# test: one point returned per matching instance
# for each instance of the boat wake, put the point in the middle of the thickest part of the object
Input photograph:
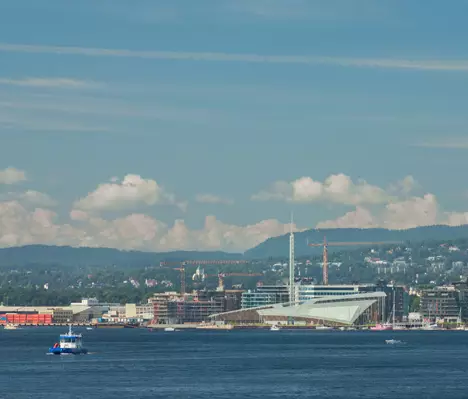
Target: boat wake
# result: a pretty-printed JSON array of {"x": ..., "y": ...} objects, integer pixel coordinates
[
  {"x": 393, "y": 341},
  {"x": 70, "y": 354}
]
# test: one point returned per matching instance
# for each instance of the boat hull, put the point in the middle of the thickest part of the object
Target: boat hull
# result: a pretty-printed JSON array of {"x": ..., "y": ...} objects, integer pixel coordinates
[
  {"x": 68, "y": 351},
  {"x": 382, "y": 327}
]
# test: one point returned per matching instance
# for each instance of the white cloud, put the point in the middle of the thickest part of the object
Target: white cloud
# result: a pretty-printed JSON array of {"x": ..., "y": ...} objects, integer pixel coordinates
[
  {"x": 404, "y": 186},
  {"x": 455, "y": 143},
  {"x": 19, "y": 226},
  {"x": 405, "y": 214},
  {"x": 131, "y": 192},
  {"x": 213, "y": 199},
  {"x": 457, "y": 218},
  {"x": 138, "y": 231},
  {"x": 218, "y": 235},
  {"x": 416, "y": 64},
  {"x": 77, "y": 215},
  {"x": 30, "y": 197},
  {"x": 359, "y": 218},
  {"x": 337, "y": 188},
  {"x": 12, "y": 176},
  {"x": 63, "y": 83}
]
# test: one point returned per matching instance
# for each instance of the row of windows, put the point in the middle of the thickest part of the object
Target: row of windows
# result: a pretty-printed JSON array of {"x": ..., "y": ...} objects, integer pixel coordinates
[{"x": 331, "y": 289}]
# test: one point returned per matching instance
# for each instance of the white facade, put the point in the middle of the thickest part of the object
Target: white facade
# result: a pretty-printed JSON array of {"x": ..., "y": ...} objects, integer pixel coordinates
[
  {"x": 312, "y": 291},
  {"x": 334, "y": 309},
  {"x": 363, "y": 308},
  {"x": 140, "y": 312}
]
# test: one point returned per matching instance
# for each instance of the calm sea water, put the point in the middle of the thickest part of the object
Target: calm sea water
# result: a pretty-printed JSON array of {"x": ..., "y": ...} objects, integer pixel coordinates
[{"x": 130, "y": 363}]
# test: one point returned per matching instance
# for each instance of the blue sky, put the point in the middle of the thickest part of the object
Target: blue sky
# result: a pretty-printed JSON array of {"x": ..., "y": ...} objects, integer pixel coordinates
[{"x": 223, "y": 99}]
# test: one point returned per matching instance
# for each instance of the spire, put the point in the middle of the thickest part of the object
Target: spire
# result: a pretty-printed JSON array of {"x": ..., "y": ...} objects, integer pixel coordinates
[{"x": 292, "y": 297}]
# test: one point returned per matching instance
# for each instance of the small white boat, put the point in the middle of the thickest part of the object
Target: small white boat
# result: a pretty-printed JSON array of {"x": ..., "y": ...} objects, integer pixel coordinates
[
  {"x": 89, "y": 328},
  {"x": 392, "y": 341},
  {"x": 321, "y": 327},
  {"x": 431, "y": 327},
  {"x": 382, "y": 327},
  {"x": 169, "y": 329},
  {"x": 275, "y": 328},
  {"x": 11, "y": 326}
]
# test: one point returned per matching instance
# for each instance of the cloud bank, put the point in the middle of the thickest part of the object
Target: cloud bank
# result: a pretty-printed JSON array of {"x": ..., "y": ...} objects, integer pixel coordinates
[
  {"x": 336, "y": 188},
  {"x": 20, "y": 226},
  {"x": 29, "y": 217}
]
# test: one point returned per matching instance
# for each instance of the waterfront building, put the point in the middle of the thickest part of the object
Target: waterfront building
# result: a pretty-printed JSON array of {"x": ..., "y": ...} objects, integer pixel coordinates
[
  {"x": 166, "y": 307},
  {"x": 196, "y": 307},
  {"x": 88, "y": 309},
  {"x": 338, "y": 310},
  {"x": 138, "y": 312},
  {"x": 265, "y": 295},
  {"x": 445, "y": 303},
  {"x": 273, "y": 294},
  {"x": 62, "y": 315}
]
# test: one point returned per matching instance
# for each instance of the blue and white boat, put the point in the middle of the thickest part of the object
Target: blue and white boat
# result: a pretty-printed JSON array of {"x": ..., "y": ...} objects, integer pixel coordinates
[{"x": 70, "y": 343}]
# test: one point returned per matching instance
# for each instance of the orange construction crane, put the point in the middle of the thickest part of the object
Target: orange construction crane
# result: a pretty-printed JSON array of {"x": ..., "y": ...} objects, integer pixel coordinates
[
  {"x": 326, "y": 244},
  {"x": 182, "y": 265},
  {"x": 182, "y": 273}
]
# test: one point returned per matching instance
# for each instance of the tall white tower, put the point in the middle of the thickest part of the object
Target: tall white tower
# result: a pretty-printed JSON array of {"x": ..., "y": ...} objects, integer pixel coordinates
[{"x": 292, "y": 294}]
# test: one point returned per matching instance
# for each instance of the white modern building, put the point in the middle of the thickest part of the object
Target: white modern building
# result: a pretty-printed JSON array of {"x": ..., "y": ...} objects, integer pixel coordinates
[{"x": 336, "y": 310}]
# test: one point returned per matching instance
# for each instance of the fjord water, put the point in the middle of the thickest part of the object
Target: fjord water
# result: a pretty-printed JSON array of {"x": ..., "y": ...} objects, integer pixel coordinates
[{"x": 136, "y": 363}]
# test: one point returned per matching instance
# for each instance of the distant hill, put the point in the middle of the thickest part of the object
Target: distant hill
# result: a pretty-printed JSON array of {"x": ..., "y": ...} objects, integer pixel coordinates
[
  {"x": 70, "y": 256},
  {"x": 279, "y": 246}
]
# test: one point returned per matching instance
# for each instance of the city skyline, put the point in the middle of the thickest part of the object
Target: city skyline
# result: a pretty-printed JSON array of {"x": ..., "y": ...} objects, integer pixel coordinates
[{"x": 162, "y": 126}]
